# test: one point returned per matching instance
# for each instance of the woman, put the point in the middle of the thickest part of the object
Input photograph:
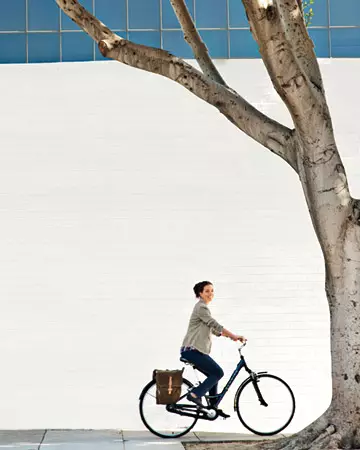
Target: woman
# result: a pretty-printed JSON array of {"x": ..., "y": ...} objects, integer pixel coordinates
[{"x": 196, "y": 345}]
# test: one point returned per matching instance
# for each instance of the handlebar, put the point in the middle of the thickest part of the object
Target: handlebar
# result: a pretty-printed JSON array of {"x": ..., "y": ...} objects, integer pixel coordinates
[{"x": 241, "y": 346}]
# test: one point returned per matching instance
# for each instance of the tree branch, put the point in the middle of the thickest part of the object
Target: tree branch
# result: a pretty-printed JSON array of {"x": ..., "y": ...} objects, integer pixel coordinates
[
  {"x": 193, "y": 38},
  {"x": 302, "y": 45},
  {"x": 268, "y": 132},
  {"x": 274, "y": 33},
  {"x": 279, "y": 29}
]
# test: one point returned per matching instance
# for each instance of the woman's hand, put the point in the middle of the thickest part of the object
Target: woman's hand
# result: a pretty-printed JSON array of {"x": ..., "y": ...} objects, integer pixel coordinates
[{"x": 236, "y": 337}]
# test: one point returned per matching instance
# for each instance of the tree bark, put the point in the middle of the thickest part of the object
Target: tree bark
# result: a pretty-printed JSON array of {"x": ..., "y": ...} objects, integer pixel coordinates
[{"x": 192, "y": 37}]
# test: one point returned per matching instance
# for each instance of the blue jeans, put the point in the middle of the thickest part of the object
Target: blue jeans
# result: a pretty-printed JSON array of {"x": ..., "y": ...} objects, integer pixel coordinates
[{"x": 206, "y": 365}]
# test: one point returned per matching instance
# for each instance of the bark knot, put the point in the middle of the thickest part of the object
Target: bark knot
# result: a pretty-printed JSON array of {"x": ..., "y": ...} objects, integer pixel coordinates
[{"x": 270, "y": 12}]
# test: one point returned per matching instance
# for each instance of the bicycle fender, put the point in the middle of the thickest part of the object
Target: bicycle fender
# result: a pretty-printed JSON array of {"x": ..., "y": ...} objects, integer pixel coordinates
[{"x": 247, "y": 380}]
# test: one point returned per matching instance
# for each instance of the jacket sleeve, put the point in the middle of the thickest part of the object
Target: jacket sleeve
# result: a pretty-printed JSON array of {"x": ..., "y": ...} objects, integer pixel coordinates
[
  {"x": 205, "y": 316},
  {"x": 215, "y": 332}
]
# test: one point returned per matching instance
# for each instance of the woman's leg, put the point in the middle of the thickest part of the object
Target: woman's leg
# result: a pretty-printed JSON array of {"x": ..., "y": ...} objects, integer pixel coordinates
[
  {"x": 207, "y": 366},
  {"x": 213, "y": 392}
]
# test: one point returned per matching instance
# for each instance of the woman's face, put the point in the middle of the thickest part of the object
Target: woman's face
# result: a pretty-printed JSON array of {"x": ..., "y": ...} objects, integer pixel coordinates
[{"x": 208, "y": 293}]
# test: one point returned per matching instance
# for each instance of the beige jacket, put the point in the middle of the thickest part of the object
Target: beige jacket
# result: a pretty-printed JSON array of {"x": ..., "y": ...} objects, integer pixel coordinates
[{"x": 201, "y": 327}]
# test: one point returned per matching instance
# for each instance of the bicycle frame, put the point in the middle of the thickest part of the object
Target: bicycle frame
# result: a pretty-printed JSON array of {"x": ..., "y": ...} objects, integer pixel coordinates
[
  {"x": 241, "y": 364},
  {"x": 194, "y": 411}
]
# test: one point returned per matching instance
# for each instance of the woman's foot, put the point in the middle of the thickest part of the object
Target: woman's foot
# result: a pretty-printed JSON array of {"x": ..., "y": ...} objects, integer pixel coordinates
[
  {"x": 192, "y": 398},
  {"x": 223, "y": 414}
]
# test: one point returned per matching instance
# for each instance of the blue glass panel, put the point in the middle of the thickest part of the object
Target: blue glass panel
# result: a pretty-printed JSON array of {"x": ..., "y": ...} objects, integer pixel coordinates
[
  {"x": 243, "y": 45},
  {"x": 237, "y": 14},
  {"x": 345, "y": 42},
  {"x": 173, "y": 42},
  {"x": 112, "y": 13},
  {"x": 321, "y": 16},
  {"x": 169, "y": 19},
  {"x": 217, "y": 42},
  {"x": 68, "y": 24},
  {"x": 211, "y": 14},
  {"x": 149, "y": 38},
  {"x": 12, "y": 48},
  {"x": 44, "y": 47},
  {"x": 99, "y": 56},
  {"x": 43, "y": 15},
  {"x": 144, "y": 14},
  {"x": 12, "y": 15},
  {"x": 344, "y": 12},
  {"x": 77, "y": 47},
  {"x": 320, "y": 38}
]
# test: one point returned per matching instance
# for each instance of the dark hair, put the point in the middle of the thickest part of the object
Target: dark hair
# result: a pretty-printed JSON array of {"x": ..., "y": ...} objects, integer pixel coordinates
[{"x": 199, "y": 287}]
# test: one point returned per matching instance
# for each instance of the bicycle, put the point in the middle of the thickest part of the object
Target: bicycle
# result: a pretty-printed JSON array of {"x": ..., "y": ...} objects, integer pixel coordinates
[{"x": 259, "y": 393}]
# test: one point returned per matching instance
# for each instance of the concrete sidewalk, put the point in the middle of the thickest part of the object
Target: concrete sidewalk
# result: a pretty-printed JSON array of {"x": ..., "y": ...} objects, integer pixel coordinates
[{"x": 105, "y": 440}]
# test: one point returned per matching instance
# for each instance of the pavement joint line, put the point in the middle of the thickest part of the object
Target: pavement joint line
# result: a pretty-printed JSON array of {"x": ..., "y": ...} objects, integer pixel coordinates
[
  {"x": 42, "y": 440},
  {"x": 197, "y": 437},
  {"x": 123, "y": 439}
]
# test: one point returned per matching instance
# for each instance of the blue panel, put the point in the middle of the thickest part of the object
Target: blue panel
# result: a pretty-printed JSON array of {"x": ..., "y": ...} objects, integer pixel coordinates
[
  {"x": 149, "y": 38},
  {"x": 345, "y": 42},
  {"x": 237, "y": 14},
  {"x": 169, "y": 19},
  {"x": 321, "y": 16},
  {"x": 68, "y": 24},
  {"x": 344, "y": 12},
  {"x": 112, "y": 13},
  {"x": 211, "y": 14},
  {"x": 144, "y": 14},
  {"x": 99, "y": 56},
  {"x": 12, "y": 48},
  {"x": 217, "y": 42},
  {"x": 173, "y": 42},
  {"x": 320, "y": 38},
  {"x": 44, "y": 47},
  {"x": 77, "y": 47},
  {"x": 12, "y": 15},
  {"x": 243, "y": 45},
  {"x": 43, "y": 15}
]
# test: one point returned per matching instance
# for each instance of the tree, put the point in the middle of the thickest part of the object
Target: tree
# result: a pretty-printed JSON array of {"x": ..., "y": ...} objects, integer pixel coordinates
[{"x": 309, "y": 148}]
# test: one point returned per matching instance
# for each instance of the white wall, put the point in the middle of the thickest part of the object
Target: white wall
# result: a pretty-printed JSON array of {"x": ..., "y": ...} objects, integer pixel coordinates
[{"x": 118, "y": 192}]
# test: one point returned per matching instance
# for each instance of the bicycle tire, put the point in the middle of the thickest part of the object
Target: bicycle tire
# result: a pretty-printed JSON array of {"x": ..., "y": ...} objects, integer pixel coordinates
[
  {"x": 146, "y": 389},
  {"x": 249, "y": 382}
]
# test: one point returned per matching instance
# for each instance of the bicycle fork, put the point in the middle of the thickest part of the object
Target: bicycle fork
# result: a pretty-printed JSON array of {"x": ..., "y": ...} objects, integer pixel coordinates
[{"x": 255, "y": 383}]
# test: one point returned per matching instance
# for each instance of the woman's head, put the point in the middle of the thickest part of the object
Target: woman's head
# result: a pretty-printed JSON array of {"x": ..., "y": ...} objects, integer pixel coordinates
[{"x": 204, "y": 290}]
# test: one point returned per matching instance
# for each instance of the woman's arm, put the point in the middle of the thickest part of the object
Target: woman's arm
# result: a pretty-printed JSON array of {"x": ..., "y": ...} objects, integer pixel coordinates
[{"x": 232, "y": 336}]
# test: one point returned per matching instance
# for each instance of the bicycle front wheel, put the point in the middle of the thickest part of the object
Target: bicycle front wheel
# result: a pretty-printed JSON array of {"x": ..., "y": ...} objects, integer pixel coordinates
[
  {"x": 158, "y": 419},
  {"x": 260, "y": 419}
]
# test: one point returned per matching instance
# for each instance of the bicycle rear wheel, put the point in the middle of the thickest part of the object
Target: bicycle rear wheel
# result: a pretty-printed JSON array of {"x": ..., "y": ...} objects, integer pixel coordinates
[
  {"x": 158, "y": 419},
  {"x": 265, "y": 420}
]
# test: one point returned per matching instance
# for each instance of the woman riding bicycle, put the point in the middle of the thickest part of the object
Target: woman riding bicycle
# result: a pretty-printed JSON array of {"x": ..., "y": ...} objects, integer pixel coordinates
[{"x": 196, "y": 345}]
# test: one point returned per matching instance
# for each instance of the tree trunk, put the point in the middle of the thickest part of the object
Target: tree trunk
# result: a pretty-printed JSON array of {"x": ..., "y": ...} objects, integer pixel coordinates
[{"x": 342, "y": 288}]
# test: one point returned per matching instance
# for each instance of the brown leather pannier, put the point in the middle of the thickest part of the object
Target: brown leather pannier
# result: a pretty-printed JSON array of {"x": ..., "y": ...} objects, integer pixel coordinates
[{"x": 168, "y": 386}]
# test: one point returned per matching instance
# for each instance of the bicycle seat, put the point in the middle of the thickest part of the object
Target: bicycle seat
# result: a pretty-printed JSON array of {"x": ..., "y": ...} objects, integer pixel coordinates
[{"x": 185, "y": 361}]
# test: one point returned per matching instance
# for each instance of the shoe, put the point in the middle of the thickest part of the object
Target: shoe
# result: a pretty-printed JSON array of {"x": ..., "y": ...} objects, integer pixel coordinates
[
  {"x": 222, "y": 414},
  {"x": 195, "y": 400}
]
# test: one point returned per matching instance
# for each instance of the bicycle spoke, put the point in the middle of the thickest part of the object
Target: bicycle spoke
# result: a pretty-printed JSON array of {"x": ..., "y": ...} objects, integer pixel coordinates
[{"x": 150, "y": 395}]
